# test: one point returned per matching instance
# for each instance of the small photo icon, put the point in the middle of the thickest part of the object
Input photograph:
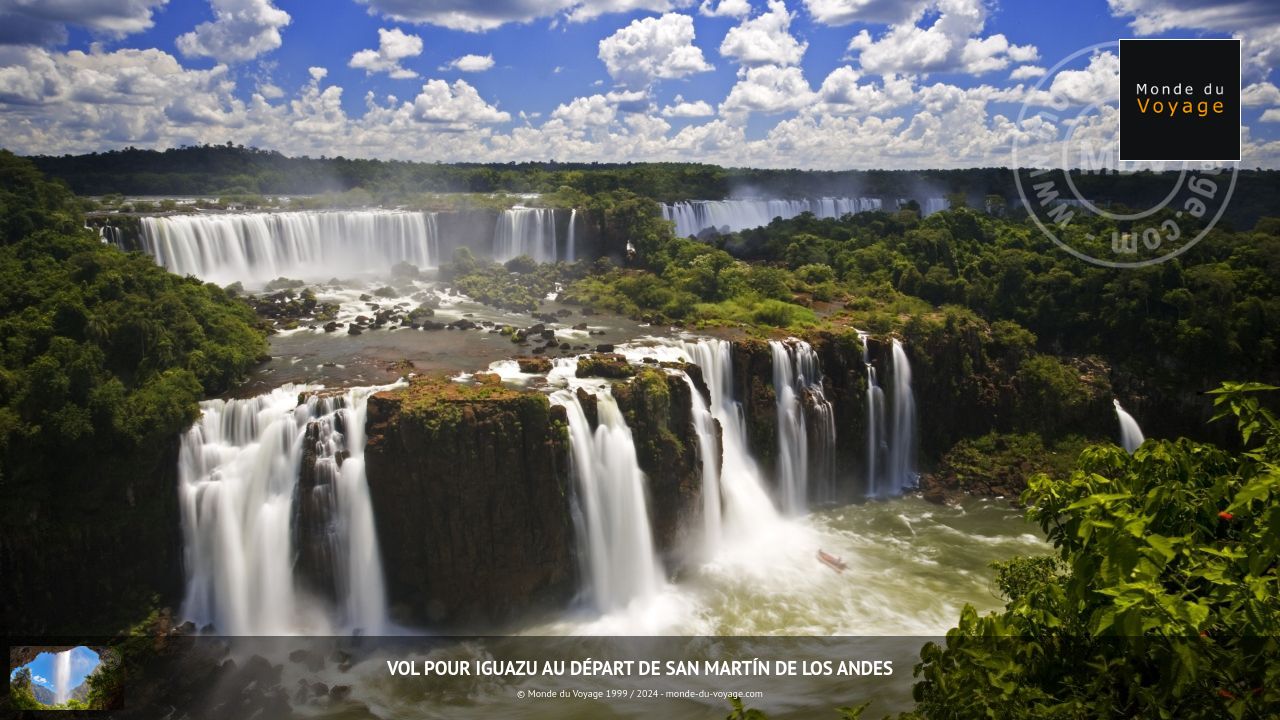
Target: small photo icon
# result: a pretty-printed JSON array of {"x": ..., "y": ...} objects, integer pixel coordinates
[{"x": 64, "y": 677}]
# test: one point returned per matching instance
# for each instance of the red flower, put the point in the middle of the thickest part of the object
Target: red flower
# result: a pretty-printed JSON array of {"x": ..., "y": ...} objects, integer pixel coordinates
[
  {"x": 1226, "y": 694},
  {"x": 1226, "y": 515}
]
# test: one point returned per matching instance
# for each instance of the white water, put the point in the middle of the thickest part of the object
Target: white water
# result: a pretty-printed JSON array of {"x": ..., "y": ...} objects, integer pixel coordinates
[
  {"x": 1130, "y": 433},
  {"x": 704, "y": 424},
  {"x": 802, "y": 475},
  {"x": 62, "y": 677},
  {"x": 694, "y": 216},
  {"x": 746, "y": 507},
  {"x": 256, "y": 247},
  {"x": 902, "y": 448},
  {"x": 617, "y": 537},
  {"x": 525, "y": 231},
  {"x": 571, "y": 249},
  {"x": 874, "y": 422},
  {"x": 933, "y": 205},
  {"x": 238, "y": 477}
]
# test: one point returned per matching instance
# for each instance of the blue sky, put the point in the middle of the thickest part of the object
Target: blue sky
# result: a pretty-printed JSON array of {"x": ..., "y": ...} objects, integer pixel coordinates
[
  {"x": 803, "y": 83},
  {"x": 83, "y": 662}
]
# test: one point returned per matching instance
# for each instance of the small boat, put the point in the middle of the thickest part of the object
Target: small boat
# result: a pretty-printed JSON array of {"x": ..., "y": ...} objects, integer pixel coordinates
[{"x": 832, "y": 561}]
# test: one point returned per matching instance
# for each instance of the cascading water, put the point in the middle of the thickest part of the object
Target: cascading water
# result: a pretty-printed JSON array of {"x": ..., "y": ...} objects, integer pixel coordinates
[
  {"x": 694, "y": 216},
  {"x": 617, "y": 539},
  {"x": 746, "y": 505},
  {"x": 902, "y": 448},
  {"x": 1131, "y": 436},
  {"x": 875, "y": 421},
  {"x": 571, "y": 249},
  {"x": 238, "y": 474},
  {"x": 704, "y": 425},
  {"x": 62, "y": 677},
  {"x": 256, "y": 247},
  {"x": 525, "y": 231},
  {"x": 797, "y": 382},
  {"x": 933, "y": 205}
]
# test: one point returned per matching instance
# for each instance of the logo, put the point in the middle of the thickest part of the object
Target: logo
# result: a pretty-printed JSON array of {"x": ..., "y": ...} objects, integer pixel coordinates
[{"x": 1101, "y": 209}]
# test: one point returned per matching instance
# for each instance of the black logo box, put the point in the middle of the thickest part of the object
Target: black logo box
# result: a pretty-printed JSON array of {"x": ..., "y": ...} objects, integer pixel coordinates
[{"x": 1180, "y": 64}]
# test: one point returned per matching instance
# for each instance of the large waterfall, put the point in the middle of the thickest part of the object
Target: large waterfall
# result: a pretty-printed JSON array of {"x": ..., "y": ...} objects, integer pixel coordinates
[
  {"x": 694, "y": 216},
  {"x": 902, "y": 450},
  {"x": 525, "y": 231},
  {"x": 1131, "y": 436},
  {"x": 243, "y": 508},
  {"x": 890, "y": 446},
  {"x": 571, "y": 246},
  {"x": 62, "y": 677},
  {"x": 746, "y": 506},
  {"x": 256, "y": 247},
  {"x": 616, "y": 536},
  {"x": 797, "y": 383}
]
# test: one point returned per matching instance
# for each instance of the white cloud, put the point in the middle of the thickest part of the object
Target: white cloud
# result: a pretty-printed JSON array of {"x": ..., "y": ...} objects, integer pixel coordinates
[
  {"x": 270, "y": 91},
  {"x": 40, "y": 680},
  {"x": 1271, "y": 115},
  {"x": 765, "y": 39},
  {"x": 586, "y": 111},
  {"x": 684, "y": 109},
  {"x": 1026, "y": 72},
  {"x": 24, "y": 22},
  {"x": 459, "y": 105},
  {"x": 951, "y": 44},
  {"x": 470, "y": 63},
  {"x": 479, "y": 16},
  {"x": 1258, "y": 94},
  {"x": 843, "y": 12},
  {"x": 841, "y": 93},
  {"x": 767, "y": 89},
  {"x": 725, "y": 8},
  {"x": 650, "y": 49},
  {"x": 1256, "y": 22},
  {"x": 317, "y": 73},
  {"x": 394, "y": 45},
  {"x": 241, "y": 30}
]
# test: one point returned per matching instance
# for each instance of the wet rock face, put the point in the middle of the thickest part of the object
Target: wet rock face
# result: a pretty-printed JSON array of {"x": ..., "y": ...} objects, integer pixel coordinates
[
  {"x": 659, "y": 410},
  {"x": 470, "y": 488},
  {"x": 753, "y": 377}
]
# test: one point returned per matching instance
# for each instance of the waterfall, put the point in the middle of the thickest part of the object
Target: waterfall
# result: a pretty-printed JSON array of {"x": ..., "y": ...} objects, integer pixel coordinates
[
  {"x": 704, "y": 425},
  {"x": 571, "y": 247},
  {"x": 902, "y": 448},
  {"x": 62, "y": 677},
  {"x": 746, "y": 505},
  {"x": 240, "y": 497},
  {"x": 797, "y": 381},
  {"x": 525, "y": 231},
  {"x": 256, "y": 247},
  {"x": 875, "y": 420},
  {"x": 694, "y": 216},
  {"x": 933, "y": 205},
  {"x": 1130, "y": 433},
  {"x": 617, "y": 539}
]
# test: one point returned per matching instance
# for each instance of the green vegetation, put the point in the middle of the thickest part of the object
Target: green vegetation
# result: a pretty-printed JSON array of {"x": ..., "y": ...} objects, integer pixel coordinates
[
  {"x": 104, "y": 358},
  {"x": 1163, "y": 599}
]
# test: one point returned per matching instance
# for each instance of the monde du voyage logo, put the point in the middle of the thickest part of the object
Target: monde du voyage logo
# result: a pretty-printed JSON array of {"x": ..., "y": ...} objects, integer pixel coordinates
[{"x": 1177, "y": 113}]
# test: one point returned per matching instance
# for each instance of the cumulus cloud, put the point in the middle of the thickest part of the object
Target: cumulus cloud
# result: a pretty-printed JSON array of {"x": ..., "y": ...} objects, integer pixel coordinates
[
  {"x": 1257, "y": 94},
  {"x": 725, "y": 8},
  {"x": 1271, "y": 115},
  {"x": 1256, "y": 22},
  {"x": 844, "y": 12},
  {"x": 241, "y": 30},
  {"x": 650, "y": 49},
  {"x": 394, "y": 45},
  {"x": 682, "y": 108},
  {"x": 1026, "y": 72},
  {"x": 40, "y": 680},
  {"x": 473, "y": 16},
  {"x": 470, "y": 63},
  {"x": 458, "y": 105},
  {"x": 23, "y": 22},
  {"x": 765, "y": 40},
  {"x": 767, "y": 89},
  {"x": 952, "y": 43}
]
